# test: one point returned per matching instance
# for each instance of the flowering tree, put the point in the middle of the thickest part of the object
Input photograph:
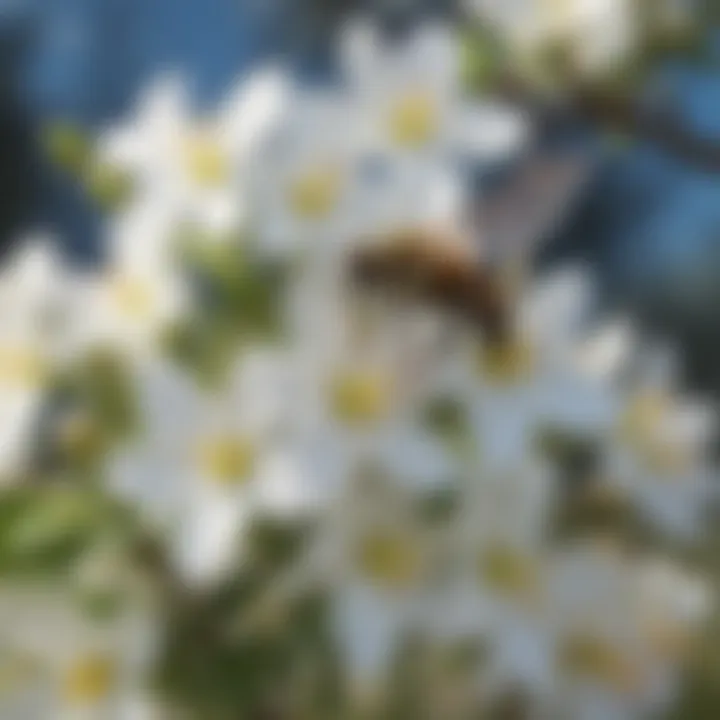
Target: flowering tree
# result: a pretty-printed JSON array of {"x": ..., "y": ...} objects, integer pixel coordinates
[
  {"x": 596, "y": 60},
  {"x": 299, "y": 449}
]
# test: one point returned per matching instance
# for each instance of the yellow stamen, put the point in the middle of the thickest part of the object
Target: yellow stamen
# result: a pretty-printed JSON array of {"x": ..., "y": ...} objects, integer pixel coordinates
[
  {"x": 506, "y": 363},
  {"x": 89, "y": 680},
  {"x": 588, "y": 655},
  {"x": 643, "y": 416},
  {"x": 414, "y": 120},
  {"x": 205, "y": 162},
  {"x": 641, "y": 427},
  {"x": 359, "y": 398},
  {"x": 21, "y": 367},
  {"x": 508, "y": 571},
  {"x": 316, "y": 193},
  {"x": 134, "y": 297},
  {"x": 390, "y": 559},
  {"x": 227, "y": 460}
]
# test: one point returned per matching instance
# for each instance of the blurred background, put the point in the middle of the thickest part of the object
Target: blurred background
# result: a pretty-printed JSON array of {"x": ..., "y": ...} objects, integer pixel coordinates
[
  {"x": 648, "y": 216},
  {"x": 623, "y": 171}
]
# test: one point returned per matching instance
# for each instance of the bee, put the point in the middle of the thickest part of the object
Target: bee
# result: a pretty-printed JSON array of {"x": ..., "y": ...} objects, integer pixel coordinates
[
  {"x": 517, "y": 214},
  {"x": 423, "y": 266}
]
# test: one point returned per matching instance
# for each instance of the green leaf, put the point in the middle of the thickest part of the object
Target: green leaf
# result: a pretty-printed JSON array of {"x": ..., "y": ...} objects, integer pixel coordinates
[
  {"x": 102, "y": 605},
  {"x": 204, "y": 347},
  {"x": 109, "y": 186},
  {"x": 51, "y": 518},
  {"x": 67, "y": 145},
  {"x": 44, "y": 529},
  {"x": 438, "y": 507},
  {"x": 446, "y": 417},
  {"x": 480, "y": 60},
  {"x": 104, "y": 385}
]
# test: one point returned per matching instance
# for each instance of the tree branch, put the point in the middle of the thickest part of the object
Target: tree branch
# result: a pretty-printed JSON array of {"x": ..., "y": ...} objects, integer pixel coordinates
[{"x": 616, "y": 111}]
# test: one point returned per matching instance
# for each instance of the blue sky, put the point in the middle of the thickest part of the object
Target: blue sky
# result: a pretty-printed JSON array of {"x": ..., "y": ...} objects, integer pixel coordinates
[{"x": 89, "y": 57}]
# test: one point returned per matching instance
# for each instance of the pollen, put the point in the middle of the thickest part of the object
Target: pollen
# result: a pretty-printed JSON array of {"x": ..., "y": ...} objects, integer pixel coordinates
[
  {"x": 507, "y": 571},
  {"x": 643, "y": 416},
  {"x": 414, "y": 120},
  {"x": 227, "y": 460},
  {"x": 591, "y": 656},
  {"x": 89, "y": 680},
  {"x": 21, "y": 367},
  {"x": 205, "y": 161},
  {"x": 389, "y": 559},
  {"x": 359, "y": 398},
  {"x": 641, "y": 426},
  {"x": 134, "y": 297},
  {"x": 316, "y": 193}
]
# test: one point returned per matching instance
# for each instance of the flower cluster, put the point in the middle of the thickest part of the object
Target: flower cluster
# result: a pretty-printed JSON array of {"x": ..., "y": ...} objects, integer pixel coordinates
[
  {"x": 244, "y": 479},
  {"x": 555, "y": 44}
]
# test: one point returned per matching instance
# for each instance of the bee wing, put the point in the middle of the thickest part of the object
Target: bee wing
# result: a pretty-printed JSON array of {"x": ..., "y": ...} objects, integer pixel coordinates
[{"x": 521, "y": 212}]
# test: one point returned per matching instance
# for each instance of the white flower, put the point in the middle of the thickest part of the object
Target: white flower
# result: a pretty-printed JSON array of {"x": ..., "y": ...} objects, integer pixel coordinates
[
  {"x": 373, "y": 556},
  {"x": 145, "y": 145},
  {"x": 305, "y": 189},
  {"x": 42, "y": 296},
  {"x": 40, "y": 330},
  {"x": 517, "y": 387},
  {"x": 432, "y": 199},
  {"x": 658, "y": 456},
  {"x": 409, "y": 98},
  {"x": 673, "y": 604},
  {"x": 607, "y": 646},
  {"x": 142, "y": 289},
  {"x": 360, "y": 383},
  {"x": 59, "y": 662},
  {"x": 491, "y": 579},
  {"x": 656, "y": 450},
  {"x": 206, "y": 459},
  {"x": 598, "y": 33},
  {"x": 200, "y": 165}
]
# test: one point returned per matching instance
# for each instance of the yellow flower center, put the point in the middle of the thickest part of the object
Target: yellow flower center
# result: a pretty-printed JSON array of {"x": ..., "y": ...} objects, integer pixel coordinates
[
  {"x": 389, "y": 559},
  {"x": 227, "y": 460},
  {"x": 316, "y": 193},
  {"x": 641, "y": 427},
  {"x": 414, "y": 119},
  {"x": 643, "y": 416},
  {"x": 205, "y": 162},
  {"x": 508, "y": 571},
  {"x": 133, "y": 296},
  {"x": 90, "y": 679},
  {"x": 359, "y": 398},
  {"x": 21, "y": 367},
  {"x": 590, "y": 656},
  {"x": 506, "y": 363}
]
